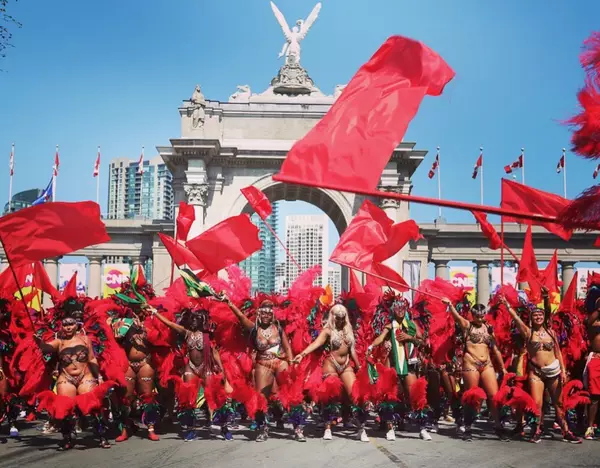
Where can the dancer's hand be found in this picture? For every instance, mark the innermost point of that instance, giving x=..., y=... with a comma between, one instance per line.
x=298, y=359
x=447, y=301
x=563, y=377
x=402, y=337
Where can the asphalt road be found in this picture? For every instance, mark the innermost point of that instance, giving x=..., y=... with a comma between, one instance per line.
x=280, y=451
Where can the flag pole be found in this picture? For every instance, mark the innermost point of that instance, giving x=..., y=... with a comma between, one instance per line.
x=282, y=245
x=481, y=180
x=10, y=181
x=98, y=182
x=564, y=155
x=523, y=167
x=439, y=178
x=54, y=174
x=17, y=283
x=502, y=251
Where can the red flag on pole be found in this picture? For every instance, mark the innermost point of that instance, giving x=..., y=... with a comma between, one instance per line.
x=258, y=201
x=370, y=239
x=97, y=165
x=519, y=197
x=478, y=164
x=561, y=164
x=434, y=166
x=549, y=276
x=42, y=281
x=488, y=230
x=56, y=163
x=140, y=169
x=11, y=164
x=596, y=171
x=528, y=267
x=180, y=254
x=518, y=164
x=185, y=219
x=569, y=301
x=50, y=230
x=227, y=243
x=354, y=141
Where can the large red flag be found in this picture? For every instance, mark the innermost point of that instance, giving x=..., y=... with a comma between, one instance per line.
x=488, y=230
x=181, y=255
x=355, y=140
x=7, y=279
x=569, y=301
x=185, y=219
x=370, y=239
x=519, y=197
x=258, y=201
x=50, y=230
x=549, y=276
x=528, y=268
x=229, y=242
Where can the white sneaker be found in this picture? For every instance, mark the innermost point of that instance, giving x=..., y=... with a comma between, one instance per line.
x=461, y=429
x=424, y=434
x=327, y=435
x=363, y=436
x=390, y=435
x=434, y=428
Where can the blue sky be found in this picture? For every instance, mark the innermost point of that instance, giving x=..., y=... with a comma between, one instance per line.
x=113, y=73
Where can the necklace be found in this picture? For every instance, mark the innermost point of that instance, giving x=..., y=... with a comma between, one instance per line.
x=266, y=333
x=542, y=334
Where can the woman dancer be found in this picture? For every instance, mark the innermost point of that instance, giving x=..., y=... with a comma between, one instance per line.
x=338, y=335
x=273, y=353
x=592, y=367
x=78, y=374
x=480, y=347
x=202, y=360
x=401, y=338
x=545, y=367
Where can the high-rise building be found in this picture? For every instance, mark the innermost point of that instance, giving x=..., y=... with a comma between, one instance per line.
x=260, y=267
x=307, y=239
x=131, y=194
x=334, y=279
x=22, y=200
x=280, y=285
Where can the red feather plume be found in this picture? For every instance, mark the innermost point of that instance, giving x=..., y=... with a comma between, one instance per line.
x=474, y=397
x=418, y=394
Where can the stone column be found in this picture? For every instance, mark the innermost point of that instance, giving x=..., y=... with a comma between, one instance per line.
x=161, y=268
x=138, y=260
x=94, y=286
x=483, y=282
x=390, y=207
x=568, y=272
x=441, y=269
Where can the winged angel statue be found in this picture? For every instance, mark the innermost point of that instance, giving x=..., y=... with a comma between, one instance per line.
x=291, y=48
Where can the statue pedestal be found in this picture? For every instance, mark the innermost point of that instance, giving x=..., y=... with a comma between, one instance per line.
x=292, y=79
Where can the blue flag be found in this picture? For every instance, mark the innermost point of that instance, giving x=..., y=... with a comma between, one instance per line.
x=45, y=196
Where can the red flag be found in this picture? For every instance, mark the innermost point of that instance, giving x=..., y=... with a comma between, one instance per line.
x=70, y=290
x=97, y=164
x=549, y=276
x=355, y=286
x=371, y=238
x=478, y=164
x=185, y=219
x=7, y=279
x=56, y=163
x=561, y=164
x=11, y=164
x=229, y=242
x=258, y=201
x=518, y=164
x=488, y=230
x=354, y=141
x=140, y=169
x=597, y=242
x=596, y=171
x=181, y=255
x=434, y=166
x=528, y=268
x=50, y=230
x=42, y=281
x=569, y=301
x=519, y=197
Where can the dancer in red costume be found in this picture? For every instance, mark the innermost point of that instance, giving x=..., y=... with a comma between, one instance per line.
x=592, y=369
x=546, y=370
x=10, y=403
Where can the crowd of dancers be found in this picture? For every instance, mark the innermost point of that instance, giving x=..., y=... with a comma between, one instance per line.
x=305, y=357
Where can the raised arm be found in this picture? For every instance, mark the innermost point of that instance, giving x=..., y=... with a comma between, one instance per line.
x=173, y=326
x=380, y=339
x=49, y=347
x=320, y=341
x=547, y=305
x=244, y=321
x=462, y=322
x=523, y=329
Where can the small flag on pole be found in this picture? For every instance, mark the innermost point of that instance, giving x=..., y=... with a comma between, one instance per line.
x=596, y=171
x=141, y=163
x=11, y=164
x=97, y=164
x=561, y=164
x=434, y=166
x=56, y=163
x=518, y=164
x=478, y=164
x=46, y=195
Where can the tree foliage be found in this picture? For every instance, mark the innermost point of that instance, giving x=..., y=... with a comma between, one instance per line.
x=7, y=23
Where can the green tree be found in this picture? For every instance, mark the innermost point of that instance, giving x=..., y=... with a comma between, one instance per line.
x=7, y=23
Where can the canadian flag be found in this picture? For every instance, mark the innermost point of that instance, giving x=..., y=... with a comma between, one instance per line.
x=478, y=164
x=97, y=164
x=11, y=164
x=561, y=164
x=596, y=171
x=518, y=164
x=56, y=162
x=141, y=163
x=434, y=166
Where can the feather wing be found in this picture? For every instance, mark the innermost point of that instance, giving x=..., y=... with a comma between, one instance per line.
x=282, y=22
x=310, y=20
